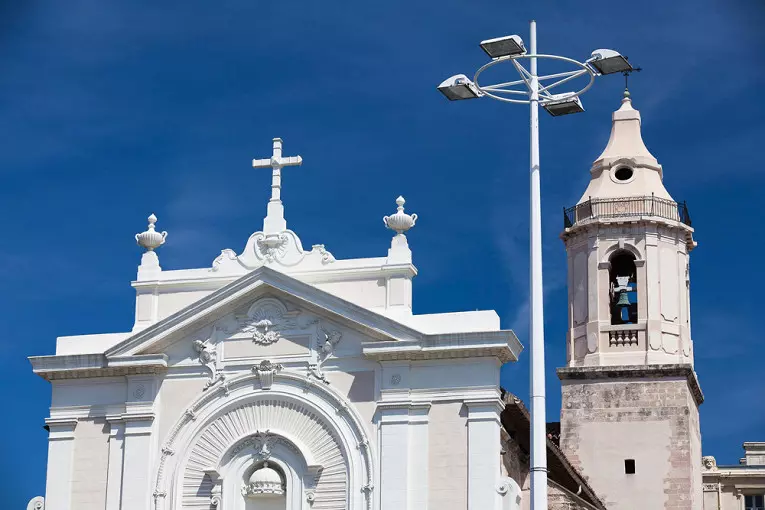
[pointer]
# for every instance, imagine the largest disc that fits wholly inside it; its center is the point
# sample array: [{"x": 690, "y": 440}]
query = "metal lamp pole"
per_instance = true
[
  {"x": 510, "y": 49},
  {"x": 538, "y": 411}
]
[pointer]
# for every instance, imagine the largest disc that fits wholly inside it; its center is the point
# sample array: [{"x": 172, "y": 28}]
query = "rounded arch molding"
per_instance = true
[
  {"x": 625, "y": 247},
  {"x": 311, "y": 419}
]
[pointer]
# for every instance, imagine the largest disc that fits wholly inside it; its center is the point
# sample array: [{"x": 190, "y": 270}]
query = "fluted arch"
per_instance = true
[{"x": 312, "y": 418}]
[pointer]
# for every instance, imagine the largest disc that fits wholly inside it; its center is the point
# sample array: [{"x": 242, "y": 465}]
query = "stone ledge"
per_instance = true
[{"x": 636, "y": 372}]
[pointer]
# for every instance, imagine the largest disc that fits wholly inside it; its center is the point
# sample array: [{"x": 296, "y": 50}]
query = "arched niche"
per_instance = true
[
  {"x": 606, "y": 277},
  {"x": 623, "y": 287},
  {"x": 317, "y": 438}
]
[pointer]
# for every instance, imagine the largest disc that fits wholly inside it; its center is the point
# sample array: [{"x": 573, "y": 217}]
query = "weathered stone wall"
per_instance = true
[
  {"x": 560, "y": 499},
  {"x": 653, "y": 421}
]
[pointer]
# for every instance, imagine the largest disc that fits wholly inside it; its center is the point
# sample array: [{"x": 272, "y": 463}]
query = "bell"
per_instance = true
[{"x": 624, "y": 299}]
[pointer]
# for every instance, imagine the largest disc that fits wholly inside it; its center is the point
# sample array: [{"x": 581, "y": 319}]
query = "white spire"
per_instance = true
[
  {"x": 625, "y": 168},
  {"x": 274, "y": 221},
  {"x": 626, "y": 140}
]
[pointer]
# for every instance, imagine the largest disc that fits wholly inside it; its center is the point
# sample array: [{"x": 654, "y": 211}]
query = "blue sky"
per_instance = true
[{"x": 112, "y": 110}]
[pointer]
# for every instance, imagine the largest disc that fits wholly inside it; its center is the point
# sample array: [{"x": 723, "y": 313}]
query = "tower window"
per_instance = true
[
  {"x": 623, "y": 174},
  {"x": 623, "y": 288},
  {"x": 629, "y": 466}
]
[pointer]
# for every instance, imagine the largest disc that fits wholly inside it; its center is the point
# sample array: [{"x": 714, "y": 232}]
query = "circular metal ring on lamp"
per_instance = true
[{"x": 541, "y": 100}]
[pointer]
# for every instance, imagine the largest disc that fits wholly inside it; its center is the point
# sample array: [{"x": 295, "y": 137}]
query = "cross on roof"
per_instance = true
[{"x": 274, "y": 221}]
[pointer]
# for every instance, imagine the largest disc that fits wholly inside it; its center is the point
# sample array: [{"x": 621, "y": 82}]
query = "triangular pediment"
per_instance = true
[{"x": 263, "y": 283}]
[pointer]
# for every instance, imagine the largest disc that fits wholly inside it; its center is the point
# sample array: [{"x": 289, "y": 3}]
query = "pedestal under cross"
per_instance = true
[{"x": 274, "y": 221}]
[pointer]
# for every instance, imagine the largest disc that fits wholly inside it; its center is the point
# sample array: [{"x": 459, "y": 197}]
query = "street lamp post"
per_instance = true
[{"x": 531, "y": 90}]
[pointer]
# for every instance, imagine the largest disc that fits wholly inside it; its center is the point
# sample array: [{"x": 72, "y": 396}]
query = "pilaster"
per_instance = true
[
  {"x": 418, "y": 456},
  {"x": 114, "y": 473},
  {"x": 58, "y": 489},
  {"x": 394, "y": 455},
  {"x": 138, "y": 442},
  {"x": 137, "y": 461},
  {"x": 483, "y": 452}
]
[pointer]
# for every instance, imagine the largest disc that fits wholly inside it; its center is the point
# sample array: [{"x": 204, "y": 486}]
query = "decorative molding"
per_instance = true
[
  {"x": 290, "y": 410},
  {"x": 711, "y": 487},
  {"x": 36, "y": 503},
  {"x": 272, "y": 246},
  {"x": 159, "y": 334},
  {"x": 331, "y": 339},
  {"x": 326, "y": 256},
  {"x": 265, "y": 372},
  {"x": 207, "y": 355},
  {"x": 76, "y": 366},
  {"x": 266, "y": 321},
  {"x": 636, "y": 372},
  {"x": 314, "y": 370}
]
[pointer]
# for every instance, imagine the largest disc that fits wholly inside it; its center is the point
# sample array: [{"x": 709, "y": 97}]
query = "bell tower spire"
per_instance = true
[{"x": 630, "y": 398}]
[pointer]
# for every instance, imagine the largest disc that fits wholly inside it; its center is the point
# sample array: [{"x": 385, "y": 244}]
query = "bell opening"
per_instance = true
[{"x": 623, "y": 288}]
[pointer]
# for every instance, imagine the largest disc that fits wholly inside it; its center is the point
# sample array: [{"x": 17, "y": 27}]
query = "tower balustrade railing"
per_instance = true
[{"x": 626, "y": 207}]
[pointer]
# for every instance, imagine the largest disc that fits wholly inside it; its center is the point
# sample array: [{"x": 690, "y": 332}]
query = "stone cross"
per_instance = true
[{"x": 274, "y": 221}]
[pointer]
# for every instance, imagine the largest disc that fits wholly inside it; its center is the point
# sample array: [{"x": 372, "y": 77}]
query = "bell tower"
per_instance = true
[{"x": 629, "y": 416}]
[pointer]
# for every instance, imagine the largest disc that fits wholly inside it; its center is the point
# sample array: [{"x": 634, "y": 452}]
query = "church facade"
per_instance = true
[
  {"x": 280, "y": 378},
  {"x": 283, "y": 378}
]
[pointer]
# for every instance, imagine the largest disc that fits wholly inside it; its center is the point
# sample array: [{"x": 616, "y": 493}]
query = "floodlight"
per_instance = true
[
  {"x": 506, "y": 46},
  {"x": 563, "y": 104},
  {"x": 458, "y": 87},
  {"x": 609, "y": 62}
]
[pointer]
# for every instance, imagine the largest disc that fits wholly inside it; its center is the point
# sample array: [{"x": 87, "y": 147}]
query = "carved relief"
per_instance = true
[
  {"x": 271, "y": 247},
  {"x": 266, "y": 320},
  {"x": 208, "y": 356},
  {"x": 709, "y": 462},
  {"x": 265, "y": 373},
  {"x": 331, "y": 339}
]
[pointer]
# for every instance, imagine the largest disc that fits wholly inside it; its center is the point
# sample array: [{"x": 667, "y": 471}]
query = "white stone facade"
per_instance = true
[{"x": 279, "y": 378}]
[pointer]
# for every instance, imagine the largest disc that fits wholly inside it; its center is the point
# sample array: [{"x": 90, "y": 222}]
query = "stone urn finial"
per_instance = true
[
  {"x": 400, "y": 222},
  {"x": 150, "y": 238}
]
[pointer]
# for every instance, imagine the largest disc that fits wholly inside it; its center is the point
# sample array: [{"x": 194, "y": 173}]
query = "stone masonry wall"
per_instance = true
[
  {"x": 560, "y": 499},
  {"x": 653, "y": 421}
]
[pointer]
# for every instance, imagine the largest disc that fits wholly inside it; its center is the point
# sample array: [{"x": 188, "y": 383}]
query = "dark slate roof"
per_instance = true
[{"x": 517, "y": 422}]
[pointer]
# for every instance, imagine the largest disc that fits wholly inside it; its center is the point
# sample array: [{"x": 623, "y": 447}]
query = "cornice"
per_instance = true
[
  {"x": 403, "y": 404},
  {"x": 503, "y": 345},
  {"x": 76, "y": 366},
  {"x": 61, "y": 422},
  {"x": 636, "y": 372},
  {"x": 593, "y": 224},
  {"x": 212, "y": 282}
]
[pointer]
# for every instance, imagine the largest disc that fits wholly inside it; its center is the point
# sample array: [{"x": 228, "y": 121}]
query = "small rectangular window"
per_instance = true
[{"x": 629, "y": 466}]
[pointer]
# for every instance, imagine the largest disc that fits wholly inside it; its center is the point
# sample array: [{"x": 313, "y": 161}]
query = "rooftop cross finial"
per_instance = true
[
  {"x": 627, "y": 81},
  {"x": 274, "y": 221}
]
